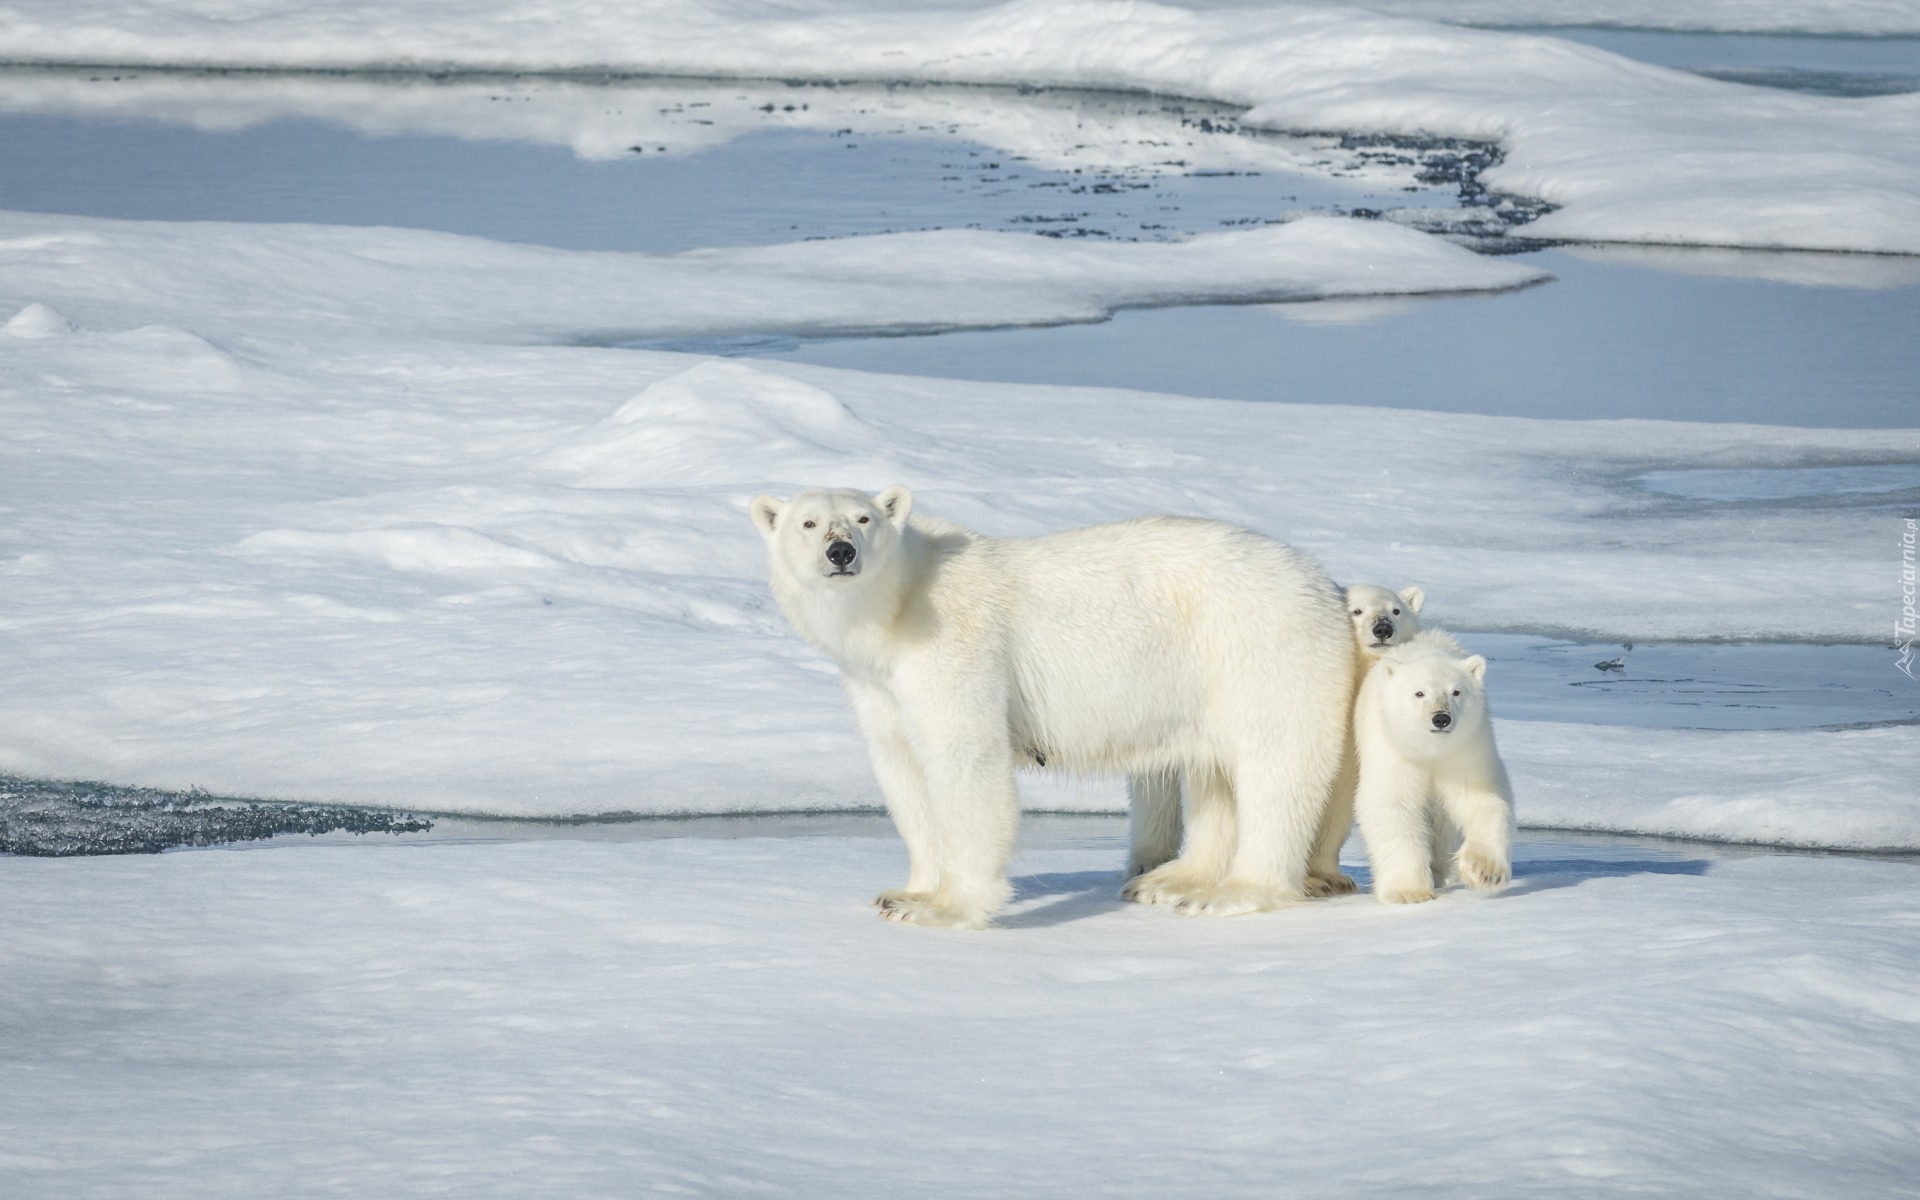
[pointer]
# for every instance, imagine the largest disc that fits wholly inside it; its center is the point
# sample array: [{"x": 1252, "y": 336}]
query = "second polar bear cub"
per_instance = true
[
  {"x": 1381, "y": 620},
  {"x": 1430, "y": 773}
]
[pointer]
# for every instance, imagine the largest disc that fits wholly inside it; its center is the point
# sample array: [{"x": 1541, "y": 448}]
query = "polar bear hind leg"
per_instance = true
[
  {"x": 1278, "y": 801},
  {"x": 1211, "y": 835},
  {"x": 1153, "y": 808}
]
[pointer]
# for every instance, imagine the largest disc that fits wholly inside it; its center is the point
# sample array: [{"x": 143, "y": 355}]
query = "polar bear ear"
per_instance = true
[
  {"x": 1414, "y": 597},
  {"x": 1476, "y": 667},
  {"x": 897, "y": 503},
  {"x": 766, "y": 513}
]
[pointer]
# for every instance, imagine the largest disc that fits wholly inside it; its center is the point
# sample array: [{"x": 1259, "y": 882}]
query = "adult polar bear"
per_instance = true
[{"x": 1160, "y": 647}]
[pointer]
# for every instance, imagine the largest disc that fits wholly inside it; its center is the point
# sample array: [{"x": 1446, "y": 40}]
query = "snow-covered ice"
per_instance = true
[
  {"x": 725, "y": 1017},
  {"x": 1633, "y": 152},
  {"x": 521, "y": 580}
]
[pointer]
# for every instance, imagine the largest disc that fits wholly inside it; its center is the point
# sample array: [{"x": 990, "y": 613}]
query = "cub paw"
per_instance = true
[
  {"x": 1331, "y": 885},
  {"x": 1482, "y": 871}
]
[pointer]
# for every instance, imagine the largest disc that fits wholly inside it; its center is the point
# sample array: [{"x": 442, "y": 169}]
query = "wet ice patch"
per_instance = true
[
  {"x": 1781, "y": 483},
  {"x": 57, "y": 820},
  {"x": 1698, "y": 685},
  {"x": 725, "y": 422}
]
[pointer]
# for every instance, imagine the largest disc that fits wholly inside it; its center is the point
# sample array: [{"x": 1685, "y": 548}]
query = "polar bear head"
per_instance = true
[
  {"x": 1432, "y": 700},
  {"x": 1382, "y": 618},
  {"x": 832, "y": 537}
]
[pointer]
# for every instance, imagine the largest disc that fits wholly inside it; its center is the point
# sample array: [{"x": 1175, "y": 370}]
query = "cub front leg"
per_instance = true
[
  {"x": 1481, "y": 804},
  {"x": 1391, "y": 804}
]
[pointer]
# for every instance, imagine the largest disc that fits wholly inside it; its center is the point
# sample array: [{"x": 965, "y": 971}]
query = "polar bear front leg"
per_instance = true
[
  {"x": 1153, "y": 817},
  {"x": 1391, "y": 804},
  {"x": 1210, "y": 840},
  {"x": 904, "y": 788},
  {"x": 968, "y": 762},
  {"x": 1481, "y": 804}
]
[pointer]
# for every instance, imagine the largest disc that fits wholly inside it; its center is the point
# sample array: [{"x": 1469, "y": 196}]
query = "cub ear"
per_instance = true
[
  {"x": 1476, "y": 667},
  {"x": 1414, "y": 597},
  {"x": 766, "y": 513},
  {"x": 897, "y": 503}
]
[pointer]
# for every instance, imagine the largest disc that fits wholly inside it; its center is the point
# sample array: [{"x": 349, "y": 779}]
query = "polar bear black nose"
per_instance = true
[
  {"x": 1382, "y": 630},
  {"x": 1442, "y": 720},
  {"x": 840, "y": 553}
]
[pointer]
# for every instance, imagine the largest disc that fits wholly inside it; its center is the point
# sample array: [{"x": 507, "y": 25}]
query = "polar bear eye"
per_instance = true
[
  {"x": 1358, "y": 611},
  {"x": 865, "y": 520},
  {"x": 1456, "y": 691},
  {"x": 1396, "y": 612},
  {"x": 806, "y": 524},
  {"x": 1419, "y": 695}
]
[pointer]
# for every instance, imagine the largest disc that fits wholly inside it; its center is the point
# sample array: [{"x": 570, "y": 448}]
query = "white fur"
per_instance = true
[
  {"x": 1380, "y": 619},
  {"x": 1166, "y": 648},
  {"x": 1422, "y": 788}
]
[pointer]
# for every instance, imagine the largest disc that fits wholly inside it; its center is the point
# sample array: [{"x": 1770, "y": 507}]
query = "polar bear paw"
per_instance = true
[
  {"x": 1407, "y": 893},
  {"x": 1483, "y": 871},
  {"x": 931, "y": 911},
  {"x": 899, "y": 895},
  {"x": 1331, "y": 885},
  {"x": 1235, "y": 899},
  {"x": 1169, "y": 883}
]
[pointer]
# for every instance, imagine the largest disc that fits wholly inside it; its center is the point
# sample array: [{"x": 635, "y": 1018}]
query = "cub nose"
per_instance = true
[
  {"x": 1382, "y": 630},
  {"x": 1442, "y": 720},
  {"x": 840, "y": 554}
]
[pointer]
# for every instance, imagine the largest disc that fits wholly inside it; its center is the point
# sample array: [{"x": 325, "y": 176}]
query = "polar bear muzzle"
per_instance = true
[{"x": 841, "y": 554}]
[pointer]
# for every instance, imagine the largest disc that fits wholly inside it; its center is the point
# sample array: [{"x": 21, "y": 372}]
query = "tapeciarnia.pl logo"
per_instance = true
[{"x": 1903, "y": 628}]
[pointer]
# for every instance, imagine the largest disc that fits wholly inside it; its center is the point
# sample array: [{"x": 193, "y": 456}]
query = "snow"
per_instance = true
[
  {"x": 726, "y": 1017},
  {"x": 1849, "y": 18},
  {"x": 1633, "y": 153}
]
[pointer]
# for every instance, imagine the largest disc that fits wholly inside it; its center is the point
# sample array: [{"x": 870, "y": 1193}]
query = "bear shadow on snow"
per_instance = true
[
  {"x": 1078, "y": 895},
  {"x": 1547, "y": 874},
  {"x": 1070, "y": 896}
]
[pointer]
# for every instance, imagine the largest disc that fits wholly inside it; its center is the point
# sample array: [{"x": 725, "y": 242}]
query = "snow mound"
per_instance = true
[
  {"x": 37, "y": 320},
  {"x": 724, "y": 422}
]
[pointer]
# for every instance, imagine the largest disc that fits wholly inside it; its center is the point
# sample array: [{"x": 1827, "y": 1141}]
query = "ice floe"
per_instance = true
[{"x": 1631, "y": 152}]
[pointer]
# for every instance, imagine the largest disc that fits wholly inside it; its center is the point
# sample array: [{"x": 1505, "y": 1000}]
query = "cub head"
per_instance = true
[
  {"x": 832, "y": 537},
  {"x": 1382, "y": 618},
  {"x": 1431, "y": 701}
]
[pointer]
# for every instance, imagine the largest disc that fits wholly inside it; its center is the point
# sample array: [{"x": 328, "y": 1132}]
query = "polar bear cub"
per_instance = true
[
  {"x": 1429, "y": 768},
  {"x": 1380, "y": 619},
  {"x": 1162, "y": 647}
]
